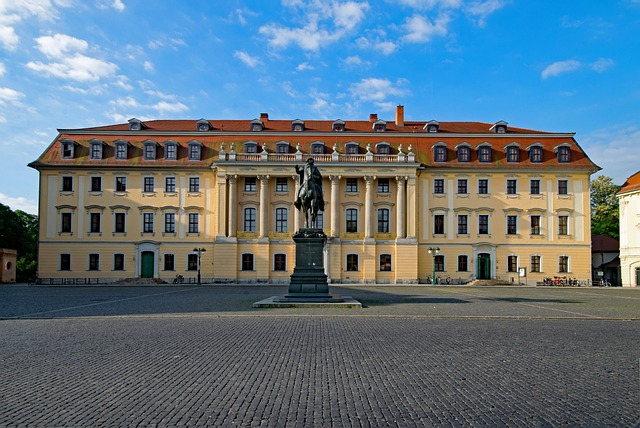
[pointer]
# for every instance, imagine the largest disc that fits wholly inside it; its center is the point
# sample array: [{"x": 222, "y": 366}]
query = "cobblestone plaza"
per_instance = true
[{"x": 413, "y": 356}]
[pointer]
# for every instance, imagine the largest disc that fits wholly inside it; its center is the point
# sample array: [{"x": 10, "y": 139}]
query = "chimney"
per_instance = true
[
  {"x": 373, "y": 117},
  {"x": 400, "y": 115},
  {"x": 264, "y": 117}
]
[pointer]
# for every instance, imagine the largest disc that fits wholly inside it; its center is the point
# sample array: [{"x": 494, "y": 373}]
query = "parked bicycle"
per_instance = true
[{"x": 179, "y": 279}]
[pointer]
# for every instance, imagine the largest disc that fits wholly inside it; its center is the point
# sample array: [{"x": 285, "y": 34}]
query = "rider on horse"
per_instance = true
[{"x": 309, "y": 172}]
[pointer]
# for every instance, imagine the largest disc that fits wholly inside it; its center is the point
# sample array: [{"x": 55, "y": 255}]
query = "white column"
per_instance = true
[
  {"x": 233, "y": 215},
  {"x": 222, "y": 205},
  {"x": 400, "y": 208},
  {"x": 411, "y": 207},
  {"x": 264, "y": 185},
  {"x": 368, "y": 207},
  {"x": 297, "y": 215},
  {"x": 335, "y": 202}
]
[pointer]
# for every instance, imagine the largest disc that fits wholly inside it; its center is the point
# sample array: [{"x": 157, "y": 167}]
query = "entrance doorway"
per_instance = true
[
  {"x": 484, "y": 266},
  {"x": 146, "y": 264}
]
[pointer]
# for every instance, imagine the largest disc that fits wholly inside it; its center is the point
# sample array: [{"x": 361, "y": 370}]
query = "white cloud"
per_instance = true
[
  {"x": 349, "y": 14},
  {"x": 480, "y": 10},
  {"x": 164, "y": 107},
  {"x": 431, "y": 4},
  {"x": 560, "y": 67},
  {"x": 352, "y": 61},
  {"x": 118, "y": 5},
  {"x": 27, "y": 205},
  {"x": 420, "y": 29},
  {"x": 602, "y": 64},
  {"x": 617, "y": 151},
  {"x": 303, "y": 66},
  {"x": 376, "y": 90},
  {"x": 3, "y": 69},
  {"x": 247, "y": 59},
  {"x": 13, "y": 12},
  {"x": 9, "y": 95},
  {"x": 386, "y": 48},
  {"x": 8, "y": 38},
  {"x": 59, "y": 45},
  {"x": 148, "y": 66}
]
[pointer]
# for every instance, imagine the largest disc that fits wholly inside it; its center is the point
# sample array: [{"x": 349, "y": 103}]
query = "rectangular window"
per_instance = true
[
  {"x": 463, "y": 224},
  {"x": 170, "y": 151},
  {"x": 563, "y": 225},
  {"x": 94, "y": 261},
  {"x": 320, "y": 220},
  {"x": 249, "y": 219},
  {"x": 383, "y": 220},
  {"x": 483, "y": 224},
  {"x": 352, "y": 185},
  {"x": 67, "y": 184},
  {"x": 535, "y": 264},
  {"x": 438, "y": 224},
  {"x": 282, "y": 148},
  {"x": 121, "y": 184},
  {"x": 385, "y": 262},
  {"x": 512, "y": 263},
  {"x": 96, "y": 184},
  {"x": 280, "y": 262},
  {"x": 169, "y": 222},
  {"x": 383, "y": 185},
  {"x": 247, "y": 262},
  {"x": 147, "y": 222},
  {"x": 96, "y": 151},
  {"x": 463, "y": 263},
  {"x": 282, "y": 184},
  {"x": 149, "y": 184},
  {"x": 464, "y": 154},
  {"x": 563, "y": 187},
  {"x": 67, "y": 150},
  {"x": 352, "y": 149},
  {"x": 438, "y": 186},
  {"x": 169, "y": 262},
  {"x": 120, "y": 223},
  {"x": 94, "y": 222},
  {"x": 483, "y": 186},
  {"x": 564, "y": 154},
  {"x": 193, "y": 222},
  {"x": 439, "y": 263},
  {"x": 65, "y": 226},
  {"x": 352, "y": 220},
  {"x": 250, "y": 184},
  {"x": 149, "y": 151},
  {"x": 65, "y": 262},
  {"x": 512, "y": 187},
  {"x": 512, "y": 225},
  {"x": 118, "y": 261},
  {"x": 534, "y": 187},
  {"x": 352, "y": 262},
  {"x": 121, "y": 151},
  {"x": 535, "y": 225},
  {"x": 170, "y": 184},
  {"x": 440, "y": 154},
  {"x": 192, "y": 262},
  {"x": 563, "y": 264},
  {"x": 317, "y": 149},
  {"x": 484, "y": 154},
  {"x": 535, "y": 154},
  {"x": 194, "y": 151},
  {"x": 513, "y": 154},
  {"x": 281, "y": 220},
  {"x": 462, "y": 186},
  {"x": 194, "y": 184}
]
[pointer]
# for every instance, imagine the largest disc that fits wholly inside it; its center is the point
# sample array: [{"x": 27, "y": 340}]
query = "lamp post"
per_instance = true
[
  {"x": 199, "y": 251},
  {"x": 433, "y": 251}
]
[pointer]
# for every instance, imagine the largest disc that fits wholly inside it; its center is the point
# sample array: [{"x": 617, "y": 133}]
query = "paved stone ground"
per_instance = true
[{"x": 414, "y": 356}]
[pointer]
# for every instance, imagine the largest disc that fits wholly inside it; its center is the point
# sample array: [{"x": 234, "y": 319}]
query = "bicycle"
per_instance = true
[{"x": 179, "y": 279}]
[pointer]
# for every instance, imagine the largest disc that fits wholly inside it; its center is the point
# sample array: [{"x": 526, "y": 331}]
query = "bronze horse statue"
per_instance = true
[{"x": 310, "y": 196}]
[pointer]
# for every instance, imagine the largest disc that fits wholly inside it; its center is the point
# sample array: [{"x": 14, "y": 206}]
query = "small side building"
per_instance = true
[
  {"x": 605, "y": 260},
  {"x": 8, "y": 260},
  {"x": 629, "y": 201}
]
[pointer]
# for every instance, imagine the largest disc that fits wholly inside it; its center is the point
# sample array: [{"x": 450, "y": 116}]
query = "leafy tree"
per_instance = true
[
  {"x": 605, "y": 217},
  {"x": 19, "y": 231}
]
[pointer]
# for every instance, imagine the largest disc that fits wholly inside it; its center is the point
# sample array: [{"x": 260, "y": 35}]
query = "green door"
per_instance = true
[
  {"x": 484, "y": 266},
  {"x": 146, "y": 267}
]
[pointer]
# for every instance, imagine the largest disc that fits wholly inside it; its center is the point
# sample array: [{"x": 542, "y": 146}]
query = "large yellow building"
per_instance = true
[{"x": 137, "y": 200}]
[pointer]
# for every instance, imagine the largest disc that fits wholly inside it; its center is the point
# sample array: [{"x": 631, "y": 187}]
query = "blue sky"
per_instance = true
[{"x": 559, "y": 66}]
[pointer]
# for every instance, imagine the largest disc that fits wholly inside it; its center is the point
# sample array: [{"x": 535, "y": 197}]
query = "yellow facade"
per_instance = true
[{"x": 105, "y": 218}]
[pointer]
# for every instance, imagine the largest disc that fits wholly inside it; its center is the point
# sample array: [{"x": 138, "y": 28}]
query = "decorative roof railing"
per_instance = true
[{"x": 264, "y": 156}]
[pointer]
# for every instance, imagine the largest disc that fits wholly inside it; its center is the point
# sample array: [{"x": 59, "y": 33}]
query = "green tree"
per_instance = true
[
  {"x": 605, "y": 217},
  {"x": 19, "y": 231}
]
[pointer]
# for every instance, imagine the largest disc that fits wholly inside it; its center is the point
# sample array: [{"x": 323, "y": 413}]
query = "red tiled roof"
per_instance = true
[
  {"x": 604, "y": 243},
  {"x": 631, "y": 185}
]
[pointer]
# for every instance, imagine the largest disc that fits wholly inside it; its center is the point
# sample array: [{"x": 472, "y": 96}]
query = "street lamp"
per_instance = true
[
  {"x": 433, "y": 251},
  {"x": 199, "y": 251}
]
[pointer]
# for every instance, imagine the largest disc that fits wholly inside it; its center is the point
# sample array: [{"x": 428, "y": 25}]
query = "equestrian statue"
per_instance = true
[{"x": 310, "y": 198}]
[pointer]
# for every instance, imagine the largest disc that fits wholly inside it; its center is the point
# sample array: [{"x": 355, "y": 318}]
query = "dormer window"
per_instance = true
[
  {"x": 171, "y": 150},
  {"x": 564, "y": 154},
  {"x": 432, "y": 126},
  {"x": 351, "y": 148},
  {"x": 463, "y": 153},
  {"x": 251, "y": 147},
  {"x": 121, "y": 149},
  {"x": 484, "y": 154},
  {"x": 282, "y": 147},
  {"x": 338, "y": 126},
  {"x": 440, "y": 153},
  {"x": 379, "y": 126},
  {"x": 135, "y": 124},
  {"x": 149, "y": 150},
  {"x": 194, "y": 150},
  {"x": 203, "y": 125},
  {"x": 383, "y": 149},
  {"x": 535, "y": 154},
  {"x": 95, "y": 149},
  {"x": 256, "y": 125},
  {"x": 513, "y": 153},
  {"x": 499, "y": 127},
  {"x": 297, "y": 125},
  {"x": 317, "y": 148},
  {"x": 68, "y": 149}
]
